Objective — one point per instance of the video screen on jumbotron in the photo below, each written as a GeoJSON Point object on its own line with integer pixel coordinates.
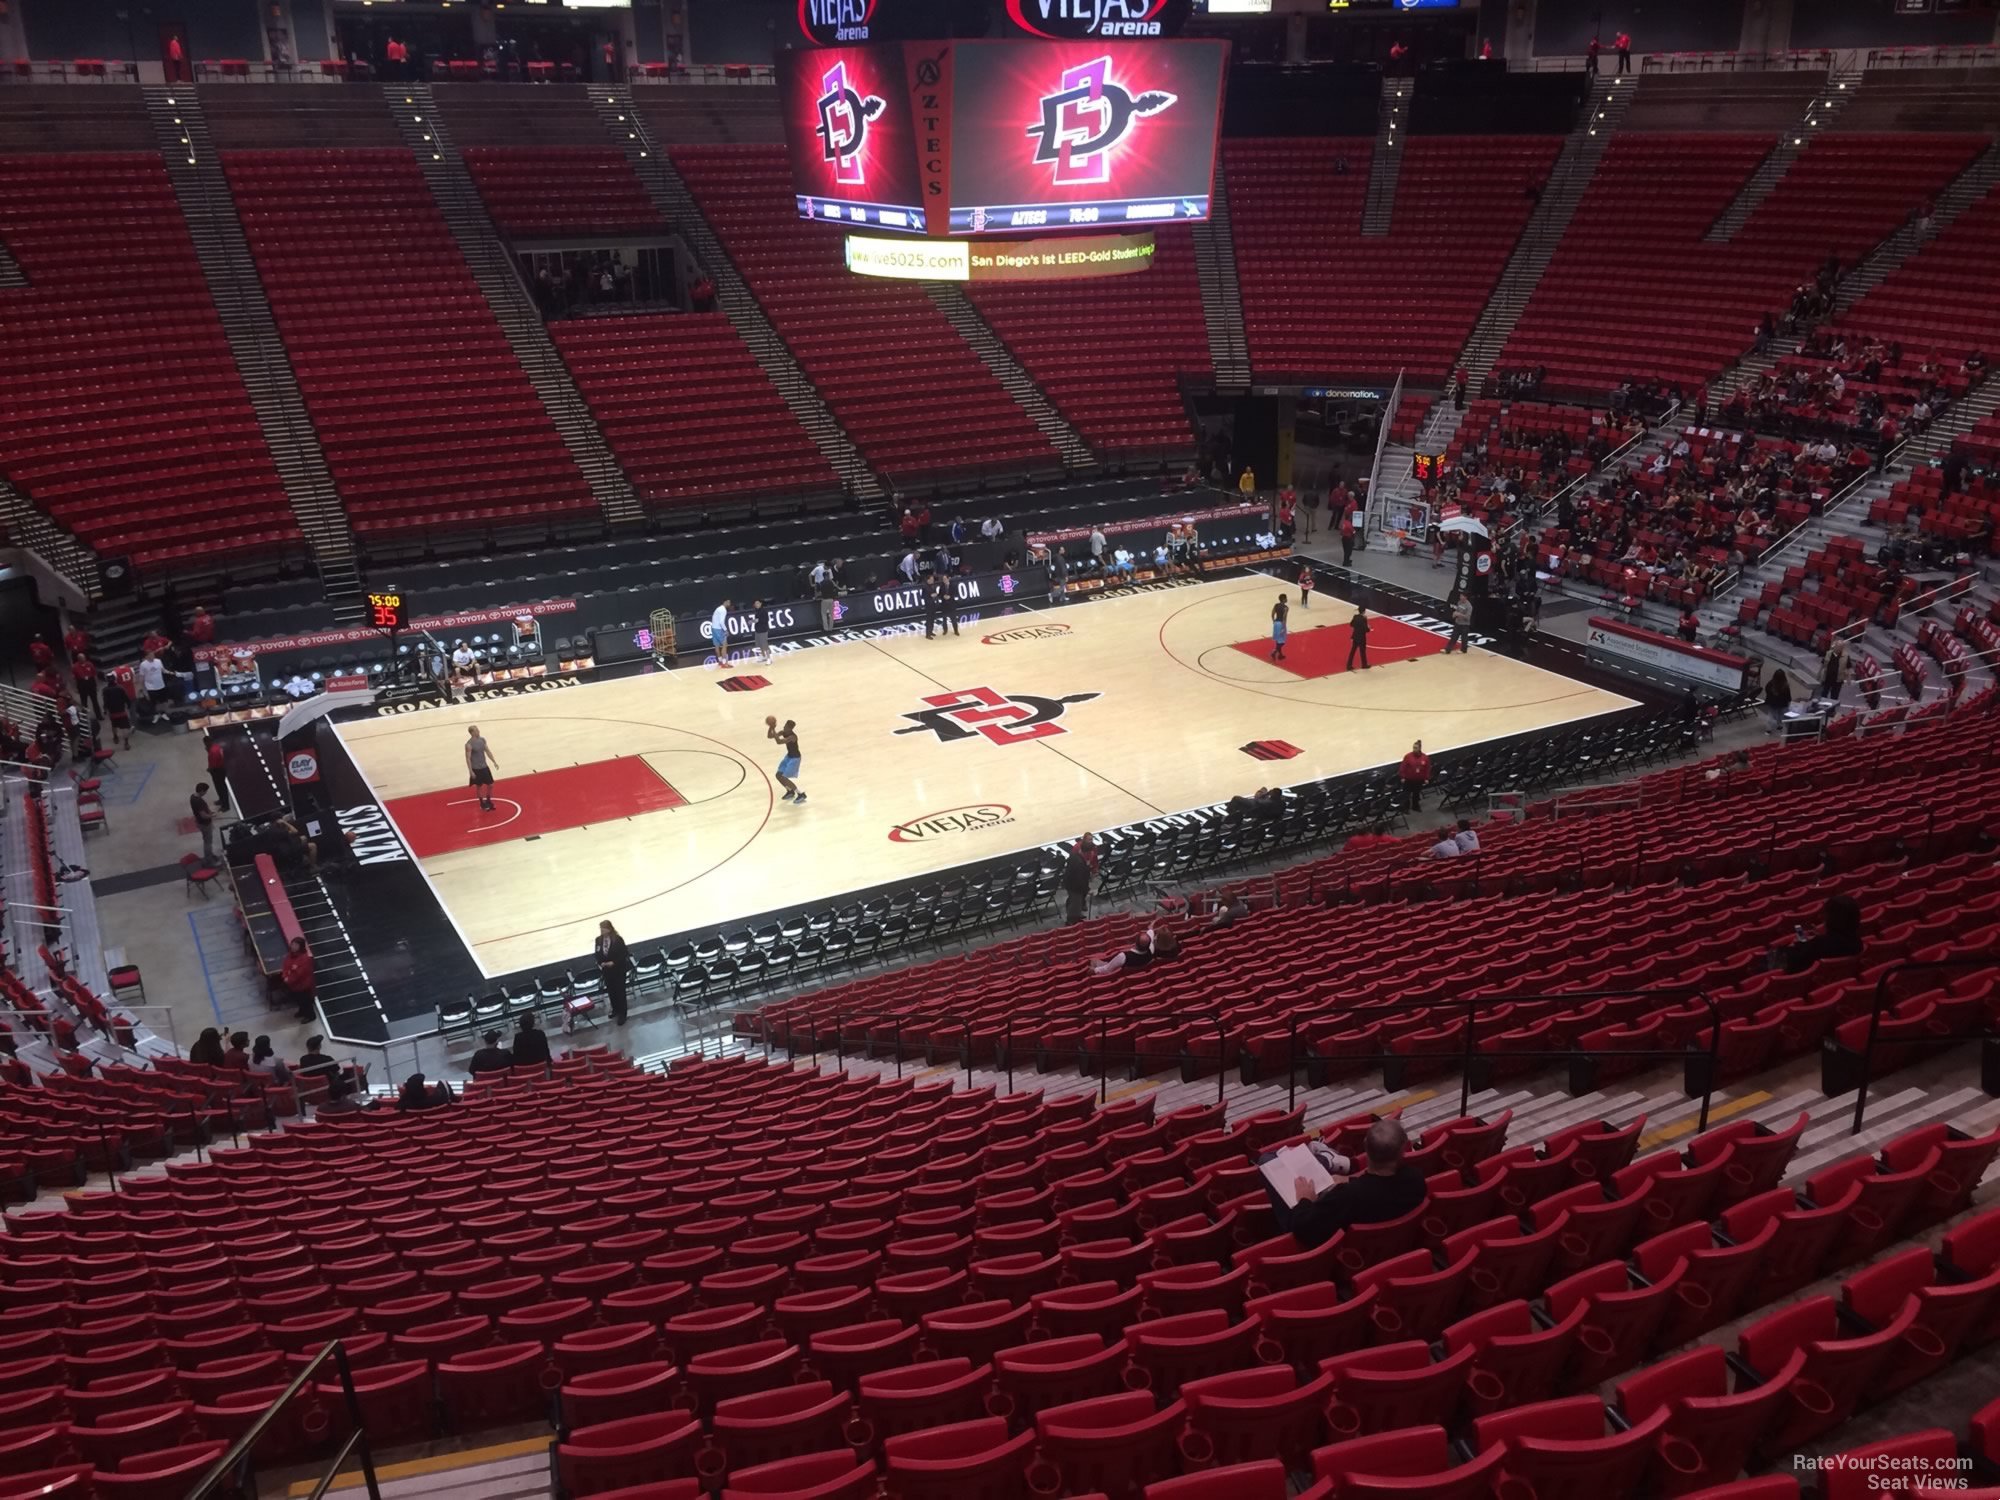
{"type": "Point", "coordinates": [848, 134]}
{"type": "Point", "coordinates": [1082, 134]}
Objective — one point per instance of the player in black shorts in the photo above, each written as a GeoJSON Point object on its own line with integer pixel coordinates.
{"type": "Point", "coordinates": [479, 763]}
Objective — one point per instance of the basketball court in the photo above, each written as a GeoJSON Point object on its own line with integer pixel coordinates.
{"type": "Point", "coordinates": [651, 800]}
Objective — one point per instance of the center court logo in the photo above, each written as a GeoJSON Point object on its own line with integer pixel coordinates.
{"type": "Point", "coordinates": [985, 713]}
{"type": "Point", "coordinates": [952, 820]}
{"type": "Point", "coordinates": [1084, 119]}
{"type": "Point", "coordinates": [1024, 633]}
{"type": "Point", "coordinates": [844, 116]}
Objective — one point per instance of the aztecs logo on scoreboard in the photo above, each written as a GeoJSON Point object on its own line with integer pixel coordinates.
{"type": "Point", "coordinates": [1069, 20]}
{"type": "Point", "coordinates": [1084, 120]}
{"type": "Point", "coordinates": [844, 117]}
{"type": "Point", "coordinates": [827, 21]}
{"type": "Point", "coordinates": [985, 713]}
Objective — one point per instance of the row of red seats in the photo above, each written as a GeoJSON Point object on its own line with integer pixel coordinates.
{"type": "Point", "coordinates": [897, 376]}
{"type": "Point", "coordinates": [381, 316]}
{"type": "Point", "coordinates": [691, 415]}
{"type": "Point", "coordinates": [125, 418]}
{"type": "Point", "coordinates": [535, 191]}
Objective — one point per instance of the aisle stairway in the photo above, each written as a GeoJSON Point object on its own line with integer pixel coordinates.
{"type": "Point", "coordinates": [976, 331]}
{"type": "Point", "coordinates": [217, 231]}
{"type": "Point", "coordinates": [11, 276]}
{"type": "Point", "coordinates": [1385, 167]}
{"type": "Point", "coordinates": [1221, 297]}
{"type": "Point", "coordinates": [26, 525]}
{"type": "Point", "coordinates": [1819, 113]}
{"type": "Point", "coordinates": [623, 123]}
{"type": "Point", "coordinates": [423, 128]}
{"type": "Point", "coordinates": [1582, 149]}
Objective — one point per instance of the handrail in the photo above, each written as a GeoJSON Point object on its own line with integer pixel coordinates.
{"type": "Point", "coordinates": [1596, 470]}
{"type": "Point", "coordinates": [1969, 961]}
{"type": "Point", "coordinates": [233, 1466]}
{"type": "Point", "coordinates": [1855, 629]}
{"type": "Point", "coordinates": [1833, 502]}
{"type": "Point", "coordinates": [1381, 446]}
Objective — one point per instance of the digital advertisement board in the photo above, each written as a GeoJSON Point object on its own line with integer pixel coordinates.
{"type": "Point", "coordinates": [1081, 134]}
{"type": "Point", "coordinates": [1055, 259]}
{"type": "Point", "coordinates": [848, 135]}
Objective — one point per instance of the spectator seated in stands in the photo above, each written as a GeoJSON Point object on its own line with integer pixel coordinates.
{"type": "Point", "coordinates": [418, 1095]}
{"type": "Point", "coordinates": [314, 1063]}
{"type": "Point", "coordinates": [1454, 842]}
{"type": "Point", "coordinates": [1154, 943]}
{"type": "Point", "coordinates": [237, 1058]}
{"type": "Point", "coordinates": [531, 1045]}
{"type": "Point", "coordinates": [266, 1064]}
{"type": "Point", "coordinates": [1839, 937]}
{"type": "Point", "coordinates": [207, 1048]}
{"type": "Point", "coordinates": [491, 1056]}
{"type": "Point", "coordinates": [1230, 910]}
{"type": "Point", "coordinates": [1387, 1189]}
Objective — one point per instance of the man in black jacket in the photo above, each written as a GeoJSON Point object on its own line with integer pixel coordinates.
{"type": "Point", "coordinates": [531, 1045]}
{"type": "Point", "coordinates": [1386, 1190]}
{"type": "Point", "coordinates": [614, 963]}
{"type": "Point", "coordinates": [491, 1057]}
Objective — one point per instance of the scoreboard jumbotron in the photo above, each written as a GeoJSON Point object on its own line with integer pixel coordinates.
{"type": "Point", "coordinates": [1002, 137]}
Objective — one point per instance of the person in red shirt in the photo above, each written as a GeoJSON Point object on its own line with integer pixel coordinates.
{"type": "Point", "coordinates": [45, 684]}
{"type": "Point", "coordinates": [153, 643]}
{"type": "Point", "coordinates": [84, 670]}
{"type": "Point", "coordinates": [297, 977]}
{"type": "Point", "coordinates": [1346, 527]}
{"type": "Point", "coordinates": [1305, 585]}
{"type": "Point", "coordinates": [41, 653]}
{"type": "Point", "coordinates": [218, 773]}
{"type": "Point", "coordinates": [908, 526]}
{"type": "Point", "coordinates": [1623, 42]}
{"type": "Point", "coordinates": [176, 69]}
{"type": "Point", "coordinates": [1486, 50]}
{"type": "Point", "coordinates": [201, 629]}
{"type": "Point", "coordinates": [76, 641]}
{"type": "Point", "coordinates": [1288, 509]}
{"type": "Point", "coordinates": [1415, 771]}
{"type": "Point", "coordinates": [1590, 56]}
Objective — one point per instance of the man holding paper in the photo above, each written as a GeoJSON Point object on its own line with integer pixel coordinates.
{"type": "Point", "coordinates": [1316, 1192]}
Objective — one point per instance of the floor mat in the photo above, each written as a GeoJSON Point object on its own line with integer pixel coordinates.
{"type": "Point", "coordinates": [529, 806]}
{"type": "Point", "coordinates": [1321, 650]}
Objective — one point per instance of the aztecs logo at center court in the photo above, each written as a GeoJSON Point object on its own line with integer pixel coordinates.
{"type": "Point", "coordinates": [844, 116]}
{"type": "Point", "coordinates": [1085, 119]}
{"type": "Point", "coordinates": [985, 713]}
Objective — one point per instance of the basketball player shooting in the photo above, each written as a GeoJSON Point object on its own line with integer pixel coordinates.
{"type": "Point", "coordinates": [788, 766]}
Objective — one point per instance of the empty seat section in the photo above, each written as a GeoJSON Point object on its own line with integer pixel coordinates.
{"type": "Point", "coordinates": [1635, 292]}
{"type": "Point", "coordinates": [426, 417]}
{"type": "Point", "coordinates": [1321, 298]}
{"type": "Point", "coordinates": [907, 388]}
{"type": "Point", "coordinates": [122, 414]}
{"type": "Point", "coordinates": [541, 191]}
{"type": "Point", "coordinates": [689, 412]}
{"type": "Point", "coordinates": [1110, 353]}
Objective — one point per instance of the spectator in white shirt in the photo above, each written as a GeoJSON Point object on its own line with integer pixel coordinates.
{"type": "Point", "coordinates": [153, 683]}
{"type": "Point", "coordinates": [1465, 838]}
{"type": "Point", "coordinates": [1097, 545]}
{"type": "Point", "coordinates": [1445, 848]}
{"type": "Point", "coordinates": [908, 567]}
{"type": "Point", "coordinates": [992, 528]}
{"type": "Point", "coordinates": [718, 632]}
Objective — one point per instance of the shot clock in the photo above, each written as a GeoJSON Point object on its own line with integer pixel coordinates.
{"type": "Point", "coordinates": [388, 611]}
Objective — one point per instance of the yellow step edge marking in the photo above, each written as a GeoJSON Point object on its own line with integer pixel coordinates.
{"type": "Point", "coordinates": [933, 1072]}
{"type": "Point", "coordinates": [1680, 1128]}
{"type": "Point", "coordinates": [1126, 1091]}
{"type": "Point", "coordinates": [440, 1463]}
{"type": "Point", "coordinates": [1403, 1101]}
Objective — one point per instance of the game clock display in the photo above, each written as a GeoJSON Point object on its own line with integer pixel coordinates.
{"type": "Point", "coordinates": [388, 611]}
